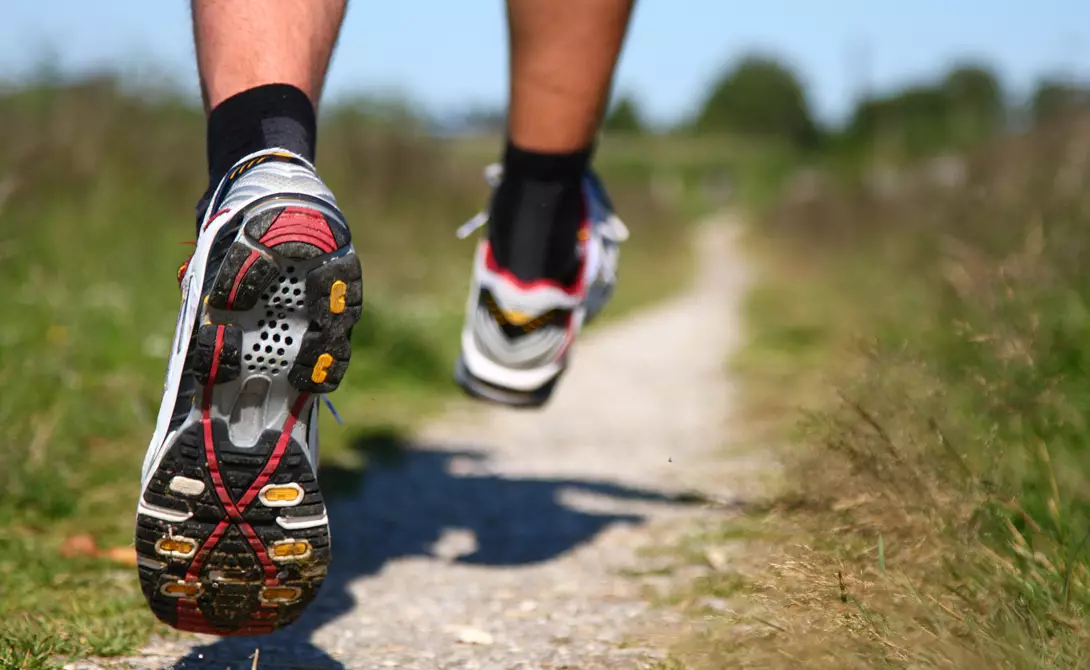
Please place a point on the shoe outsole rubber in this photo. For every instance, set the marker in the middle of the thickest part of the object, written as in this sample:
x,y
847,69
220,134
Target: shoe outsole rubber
x,y
479,389
237,541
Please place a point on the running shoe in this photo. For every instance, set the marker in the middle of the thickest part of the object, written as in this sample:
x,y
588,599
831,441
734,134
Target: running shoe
x,y
518,335
232,536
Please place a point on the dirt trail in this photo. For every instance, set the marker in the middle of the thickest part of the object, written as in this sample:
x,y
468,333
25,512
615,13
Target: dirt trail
x,y
498,539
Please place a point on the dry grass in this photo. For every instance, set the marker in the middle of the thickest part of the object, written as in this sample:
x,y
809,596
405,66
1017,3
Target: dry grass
x,y
924,358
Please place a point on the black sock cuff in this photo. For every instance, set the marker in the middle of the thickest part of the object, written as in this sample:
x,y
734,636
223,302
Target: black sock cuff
x,y
520,163
536,212
263,117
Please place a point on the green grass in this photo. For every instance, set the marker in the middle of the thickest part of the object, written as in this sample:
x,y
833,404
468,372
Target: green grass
x,y
924,361
96,199
57,607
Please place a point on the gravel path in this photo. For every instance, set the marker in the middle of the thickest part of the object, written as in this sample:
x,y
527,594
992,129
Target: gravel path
x,y
498,539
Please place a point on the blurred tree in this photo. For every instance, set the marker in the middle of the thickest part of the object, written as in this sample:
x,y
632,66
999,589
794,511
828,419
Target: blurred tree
x,y
759,96
907,121
1053,97
966,106
976,88
977,108
625,117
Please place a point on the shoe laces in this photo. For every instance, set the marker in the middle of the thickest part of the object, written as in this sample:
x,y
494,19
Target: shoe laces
x,y
493,174
332,409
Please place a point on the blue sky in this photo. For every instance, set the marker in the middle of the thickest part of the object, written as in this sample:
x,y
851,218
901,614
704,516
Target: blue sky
x,y
448,54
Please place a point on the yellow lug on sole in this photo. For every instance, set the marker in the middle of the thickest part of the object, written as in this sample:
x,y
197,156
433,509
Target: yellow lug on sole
x,y
336,297
321,369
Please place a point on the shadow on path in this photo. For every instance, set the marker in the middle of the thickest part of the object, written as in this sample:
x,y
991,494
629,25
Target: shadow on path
x,y
408,498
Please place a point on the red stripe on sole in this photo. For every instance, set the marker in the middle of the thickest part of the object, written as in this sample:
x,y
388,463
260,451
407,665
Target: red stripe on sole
x,y
193,574
262,556
278,452
250,260
298,224
303,237
209,443
301,229
188,615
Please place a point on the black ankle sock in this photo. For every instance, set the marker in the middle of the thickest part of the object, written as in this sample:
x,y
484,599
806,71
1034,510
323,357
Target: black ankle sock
x,y
536,212
272,115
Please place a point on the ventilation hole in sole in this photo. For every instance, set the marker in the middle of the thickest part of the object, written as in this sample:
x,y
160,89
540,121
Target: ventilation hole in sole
x,y
249,357
287,341
264,335
257,347
297,291
261,323
269,314
284,326
268,349
276,337
280,351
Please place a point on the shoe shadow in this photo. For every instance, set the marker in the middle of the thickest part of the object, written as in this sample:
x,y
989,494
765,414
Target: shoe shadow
x,y
407,496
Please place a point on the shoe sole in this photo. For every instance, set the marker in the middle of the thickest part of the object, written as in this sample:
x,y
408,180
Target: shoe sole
x,y
477,388
232,536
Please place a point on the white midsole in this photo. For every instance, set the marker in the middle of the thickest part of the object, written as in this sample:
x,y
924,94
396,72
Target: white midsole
x,y
170,515
302,522
487,370
183,332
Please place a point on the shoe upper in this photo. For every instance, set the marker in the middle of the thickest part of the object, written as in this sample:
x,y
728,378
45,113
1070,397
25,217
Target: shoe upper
x,y
518,334
608,232
259,176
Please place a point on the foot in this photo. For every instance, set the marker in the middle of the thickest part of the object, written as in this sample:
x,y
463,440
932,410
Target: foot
x,y
231,530
517,337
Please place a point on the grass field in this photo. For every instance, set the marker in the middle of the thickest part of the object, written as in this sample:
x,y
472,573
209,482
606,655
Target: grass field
x,y
96,200
920,363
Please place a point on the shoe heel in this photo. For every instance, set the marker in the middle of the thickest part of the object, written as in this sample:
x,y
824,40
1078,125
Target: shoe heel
x,y
308,248
479,389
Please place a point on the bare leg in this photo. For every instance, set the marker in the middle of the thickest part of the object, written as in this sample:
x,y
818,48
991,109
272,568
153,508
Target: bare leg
x,y
262,64
242,44
563,53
